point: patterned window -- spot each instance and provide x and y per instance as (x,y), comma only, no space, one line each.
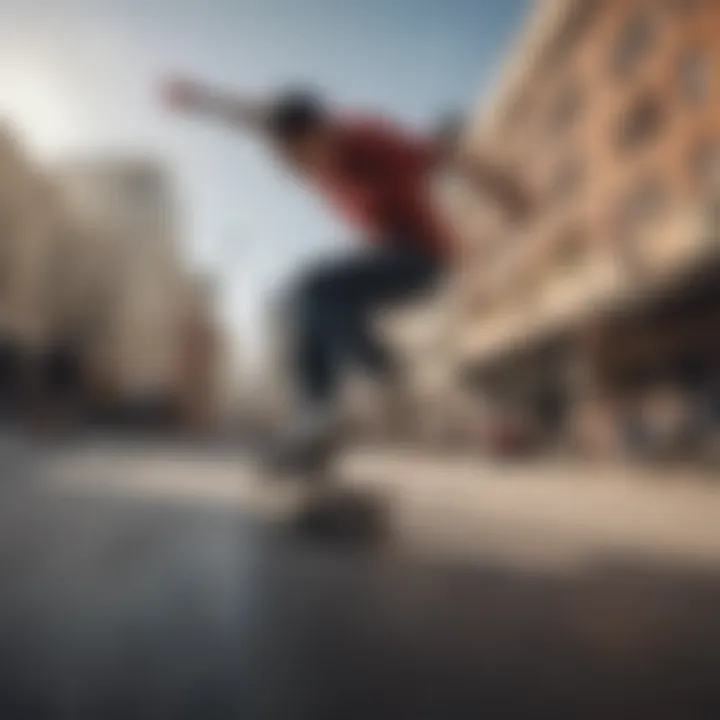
(636,41)
(694,76)
(642,123)
(8,239)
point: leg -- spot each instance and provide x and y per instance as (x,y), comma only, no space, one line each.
(376,282)
(331,312)
(319,314)
(316,318)
(387,280)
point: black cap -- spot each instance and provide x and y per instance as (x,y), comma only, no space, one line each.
(295,112)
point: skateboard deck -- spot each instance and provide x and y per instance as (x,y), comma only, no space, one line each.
(320,505)
(342,514)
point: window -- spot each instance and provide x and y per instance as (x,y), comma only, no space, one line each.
(8,236)
(567,180)
(645,203)
(517,110)
(641,124)
(9,149)
(578,19)
(527,288)
(694,76)
(143,191)
(682,6)
(706,165)
(714,215)
(59,273)
(571,248)
(634,44)
(565,111)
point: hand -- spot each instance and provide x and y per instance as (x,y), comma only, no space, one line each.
(183,94)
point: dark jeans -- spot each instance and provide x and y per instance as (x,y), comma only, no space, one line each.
(332,310)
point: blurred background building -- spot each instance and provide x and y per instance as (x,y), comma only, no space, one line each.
(593,328)
(129,204)
(590,329)
(206,369)
(596,326)
(100,314)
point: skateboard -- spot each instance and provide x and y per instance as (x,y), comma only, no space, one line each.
(325,508)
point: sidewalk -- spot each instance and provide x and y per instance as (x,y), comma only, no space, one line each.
(562,513)
(549,514)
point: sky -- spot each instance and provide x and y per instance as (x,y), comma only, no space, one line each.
(78,76)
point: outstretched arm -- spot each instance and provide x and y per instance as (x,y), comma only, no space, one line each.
(483,174)
(195,98)
(501,184)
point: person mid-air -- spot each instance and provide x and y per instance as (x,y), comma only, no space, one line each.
(379,177)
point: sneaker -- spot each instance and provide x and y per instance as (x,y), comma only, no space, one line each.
(306,446)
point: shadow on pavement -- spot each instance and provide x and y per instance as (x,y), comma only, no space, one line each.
(114,608)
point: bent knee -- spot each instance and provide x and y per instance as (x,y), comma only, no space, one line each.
(319,290)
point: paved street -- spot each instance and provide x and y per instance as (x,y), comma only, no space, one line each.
(144,580)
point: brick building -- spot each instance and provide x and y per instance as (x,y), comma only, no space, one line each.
(611,109)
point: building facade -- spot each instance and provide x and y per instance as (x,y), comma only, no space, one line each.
(134,265)
(203,356)
(611,110)
(98,308)
(32,223)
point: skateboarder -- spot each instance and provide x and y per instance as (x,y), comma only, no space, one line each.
(378,176)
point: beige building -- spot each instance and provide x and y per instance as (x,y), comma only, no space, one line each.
(133,260)
(47,302)
(92,273)
(204,389)
(29,220)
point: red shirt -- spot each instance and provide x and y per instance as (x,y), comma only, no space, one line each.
(382,184)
